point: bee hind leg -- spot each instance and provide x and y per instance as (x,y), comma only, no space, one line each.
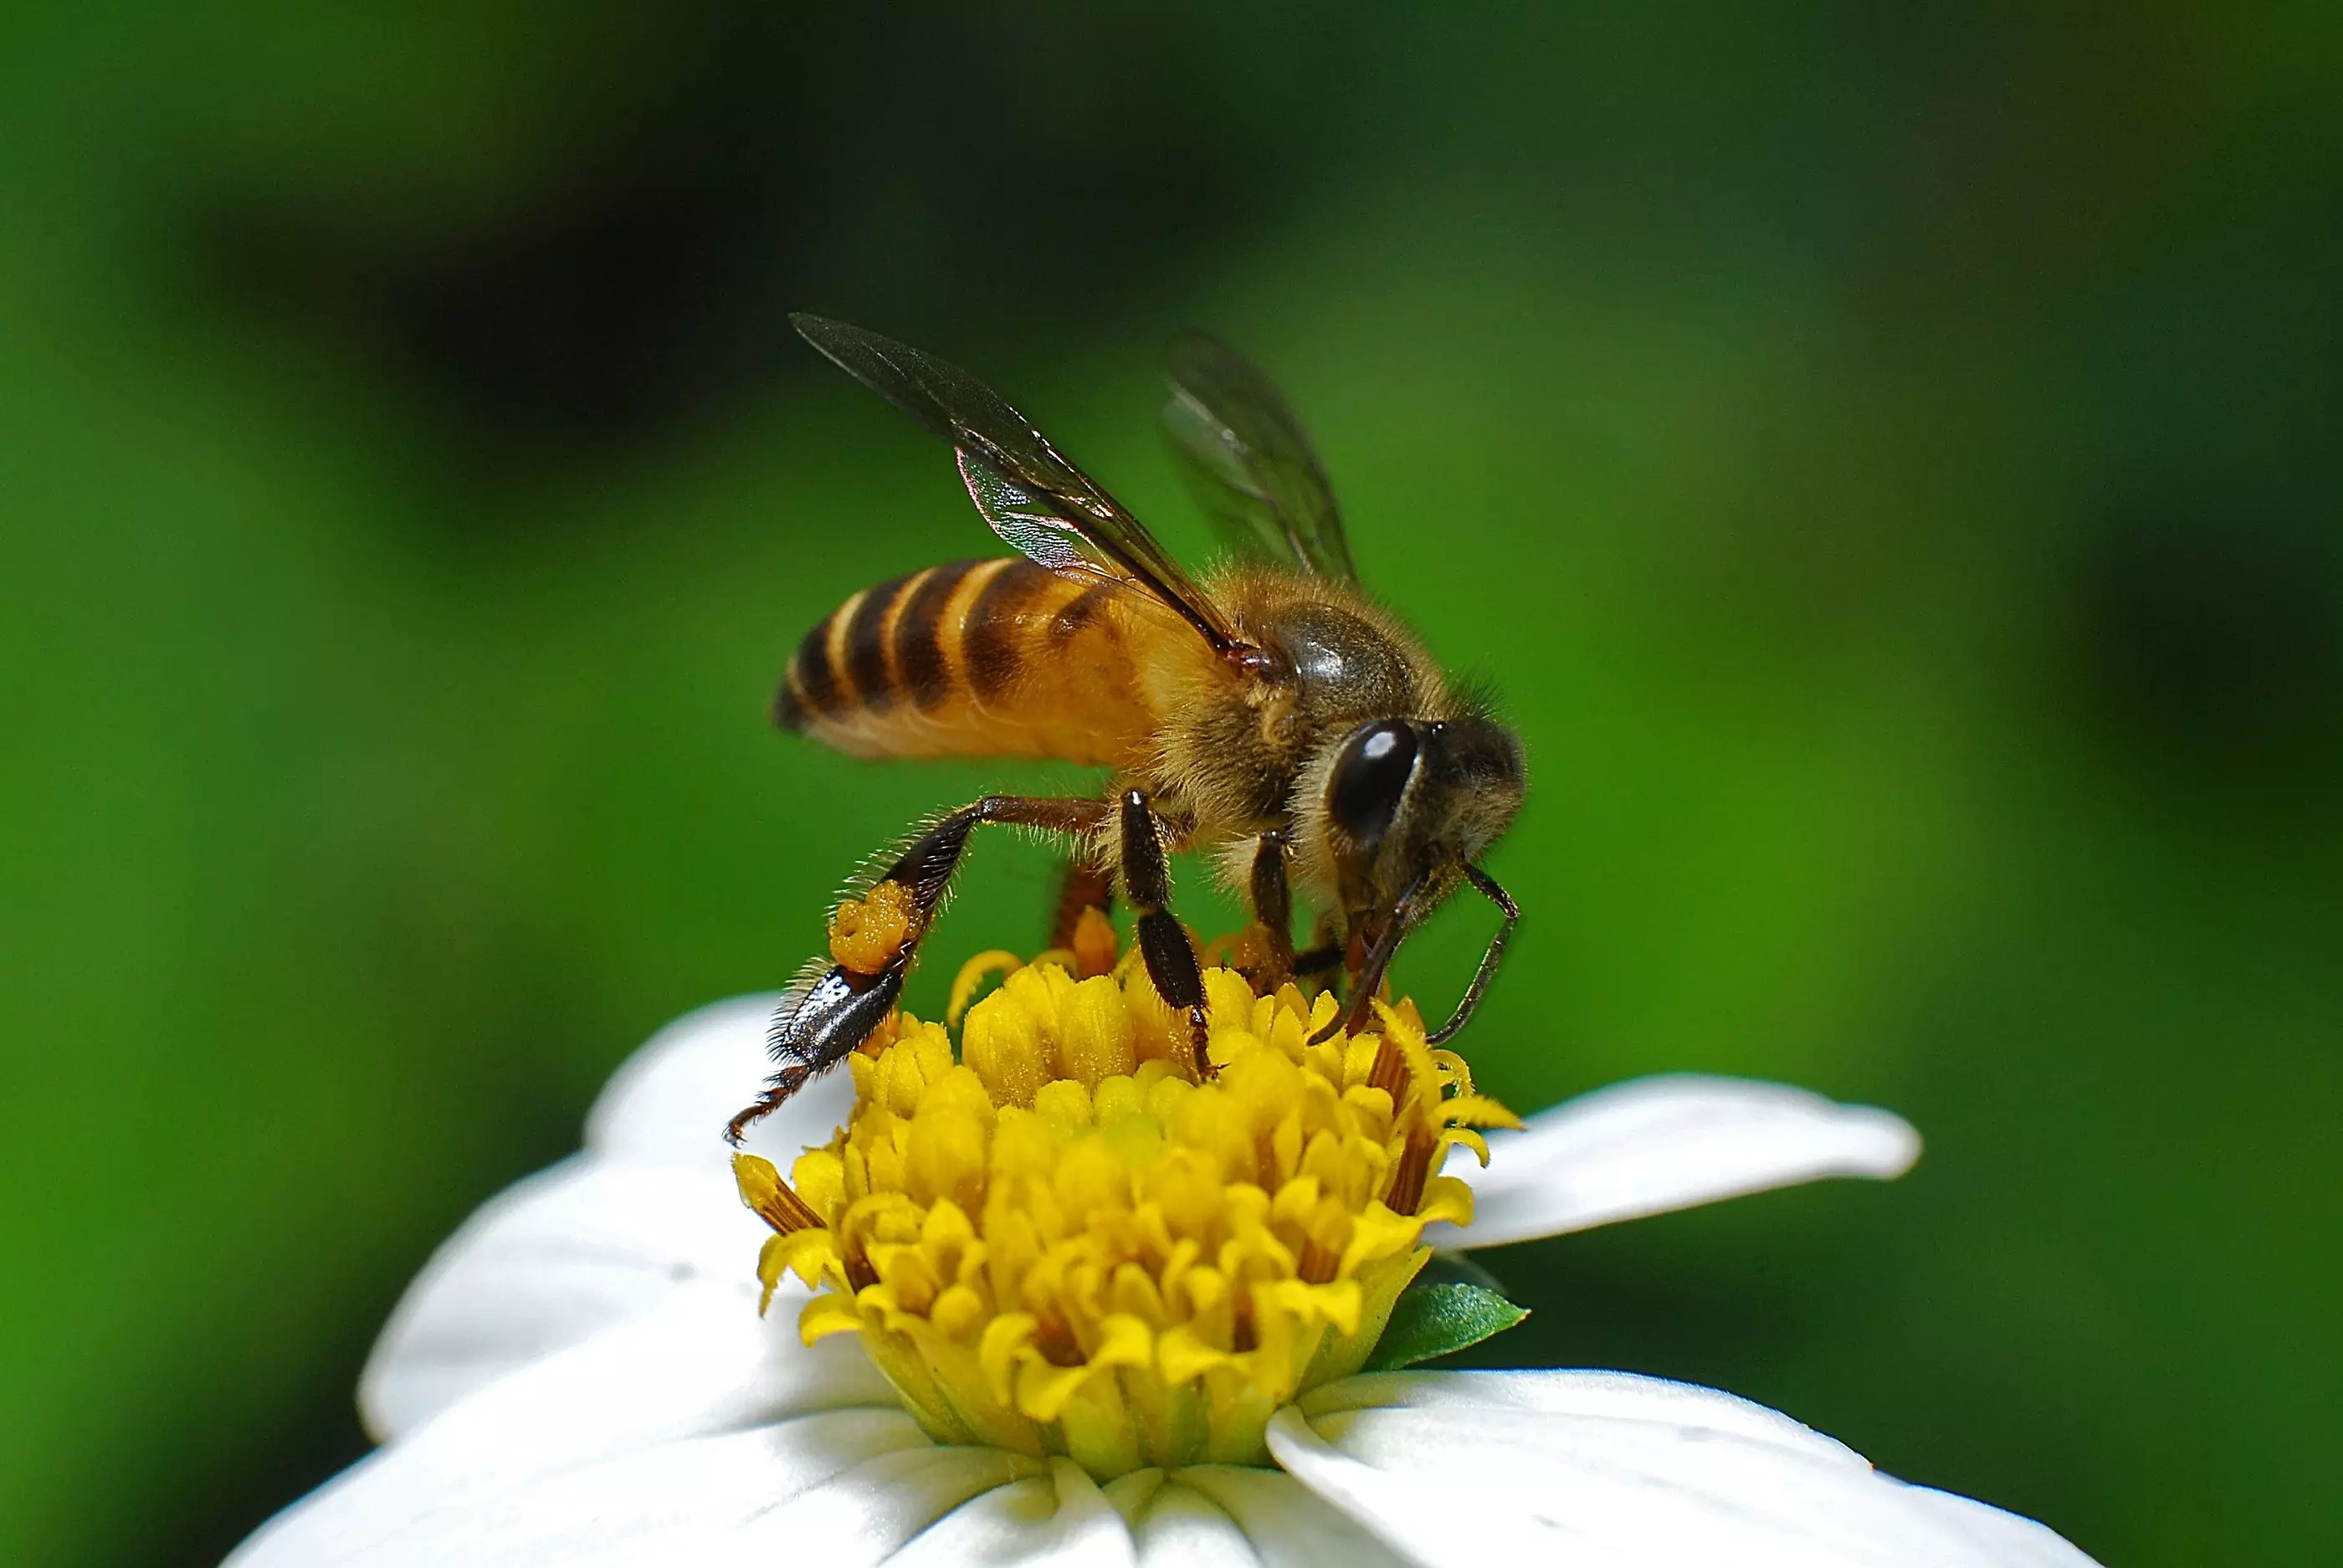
(819,1025)
(815,1025)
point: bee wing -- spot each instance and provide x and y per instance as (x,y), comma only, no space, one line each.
(1030,493)
(1244,456)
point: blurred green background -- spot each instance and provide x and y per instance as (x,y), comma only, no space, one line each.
(1886,460)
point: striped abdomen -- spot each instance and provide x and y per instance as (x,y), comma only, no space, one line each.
(975,658)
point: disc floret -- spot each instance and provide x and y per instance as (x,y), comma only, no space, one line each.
(1057,1240)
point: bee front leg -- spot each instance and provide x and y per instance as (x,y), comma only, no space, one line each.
(1163,941)
(819,1025)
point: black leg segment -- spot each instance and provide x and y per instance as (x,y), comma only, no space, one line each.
(1163,941)
(1273,908)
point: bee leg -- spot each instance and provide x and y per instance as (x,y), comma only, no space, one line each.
(819,1025)
(1327,949)
(1273,908)
(1163,941)
(1085,885)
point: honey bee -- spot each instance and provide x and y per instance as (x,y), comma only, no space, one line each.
(1272,714)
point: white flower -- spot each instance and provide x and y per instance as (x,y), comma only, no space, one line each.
(581,1377)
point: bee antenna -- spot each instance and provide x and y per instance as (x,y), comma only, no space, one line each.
(1488,888)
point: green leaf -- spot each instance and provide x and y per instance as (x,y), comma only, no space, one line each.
(1432,1318)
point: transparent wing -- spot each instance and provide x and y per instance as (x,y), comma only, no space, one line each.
(1034,498)
(1244,455)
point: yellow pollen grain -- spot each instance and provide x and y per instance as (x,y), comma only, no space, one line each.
(1054,1240)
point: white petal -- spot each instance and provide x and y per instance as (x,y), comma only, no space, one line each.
(681,1501)
(697,1371)
(1605,1469)
(1058,1520)
(838,1489)
(1671,1142)
(580,1248)
(547,1263)
(1175,1526)
(869,1512)
(670,1100)
(1237,1515)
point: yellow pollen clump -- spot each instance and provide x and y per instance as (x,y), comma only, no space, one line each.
(867,933)
(1057,1241)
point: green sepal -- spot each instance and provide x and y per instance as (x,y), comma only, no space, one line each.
(1433,1317)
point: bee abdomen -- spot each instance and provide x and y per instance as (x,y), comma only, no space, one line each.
(878,647)
(992,658)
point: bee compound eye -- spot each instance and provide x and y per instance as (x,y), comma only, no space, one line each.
(1363,792)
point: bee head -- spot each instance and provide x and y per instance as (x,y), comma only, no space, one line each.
(1408,804)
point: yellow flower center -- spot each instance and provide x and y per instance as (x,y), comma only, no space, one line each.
(1060,1242)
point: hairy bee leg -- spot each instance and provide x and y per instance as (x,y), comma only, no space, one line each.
(1084,885)
(816,1028)
(1328,949)
(1318,960)
(927,867)
(1172,961)
(1272,907)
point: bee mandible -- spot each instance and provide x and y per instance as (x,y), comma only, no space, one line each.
(1271,715)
